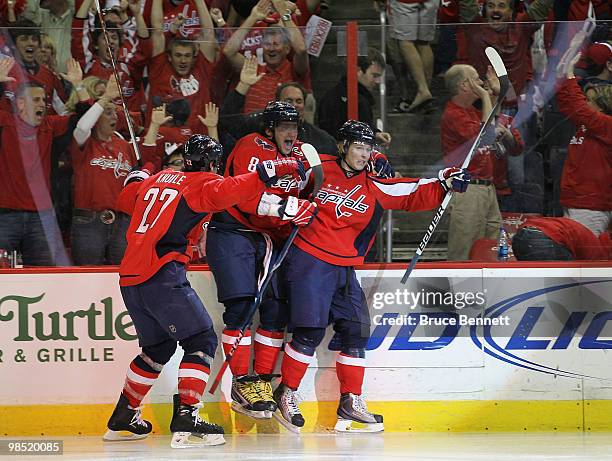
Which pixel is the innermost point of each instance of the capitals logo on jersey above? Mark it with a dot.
(344, 200)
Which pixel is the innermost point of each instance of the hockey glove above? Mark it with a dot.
(454, 178)
(139, 174)
(380, 166)
(270, 170)
(299, 212)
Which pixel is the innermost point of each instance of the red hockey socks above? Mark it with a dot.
(138, 380)
(267, 347)
(192, 377)
(294, 366)
(240, 362)
(350, 372)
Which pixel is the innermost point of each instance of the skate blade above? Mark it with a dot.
(122, 436)
(253, 414)
(286, 424)
(347, 425)
(189, 440)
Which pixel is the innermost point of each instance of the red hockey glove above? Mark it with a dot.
(454, 178)
(270, 170)
(299, 212)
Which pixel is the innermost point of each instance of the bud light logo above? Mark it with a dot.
(520, 325)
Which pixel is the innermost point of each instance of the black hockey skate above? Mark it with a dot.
(264, 387)
(288, 413)
(126, 423)
(249, 397)
(353, 416)
(186, 422)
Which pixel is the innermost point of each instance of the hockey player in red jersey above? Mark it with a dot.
(163, 306)
(350, 204)
(238, 249)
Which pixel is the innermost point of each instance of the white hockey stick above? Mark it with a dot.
(504, 84)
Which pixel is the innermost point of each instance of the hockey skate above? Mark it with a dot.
(353, 416)
(288, 413)
(191, 431)
(247, 398)
(126, 423)
(264, 388)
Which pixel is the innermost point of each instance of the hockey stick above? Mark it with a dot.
(116, 74)
(504, 84)
(317, 170)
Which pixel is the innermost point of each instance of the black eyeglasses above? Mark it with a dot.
(176, 163)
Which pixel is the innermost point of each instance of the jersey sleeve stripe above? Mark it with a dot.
(400, 189)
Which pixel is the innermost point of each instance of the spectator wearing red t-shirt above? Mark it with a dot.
(278, 43)
(586, 181)
(101, 160)
(559, 239)
(475, 214)
(27, 221)
(184, 69)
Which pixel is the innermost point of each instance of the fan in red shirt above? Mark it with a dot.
(164, 308)
(26, 39)
(586, 182)
(320, 276)
(28, 221)
(559, 239)
(508, 31)
(101, 160)
(184, 69)
(278, 43)
(475, 214)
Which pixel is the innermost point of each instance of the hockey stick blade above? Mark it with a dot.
(504, 83)
(253, 308)
(312, 156)
(496, 61)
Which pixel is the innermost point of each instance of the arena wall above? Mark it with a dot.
(535, 357)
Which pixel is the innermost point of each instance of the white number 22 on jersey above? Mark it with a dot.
(166, 197)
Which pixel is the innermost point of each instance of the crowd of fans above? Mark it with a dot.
(211, 66)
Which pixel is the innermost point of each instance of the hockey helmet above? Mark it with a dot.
(277, 112)
(200, 152)
(354, 131)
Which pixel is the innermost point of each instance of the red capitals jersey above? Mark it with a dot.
(167, 207)
(248, 152)
(350, 209)
(26, 150)
(168, 85)
(100, 168)
(586, 181)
